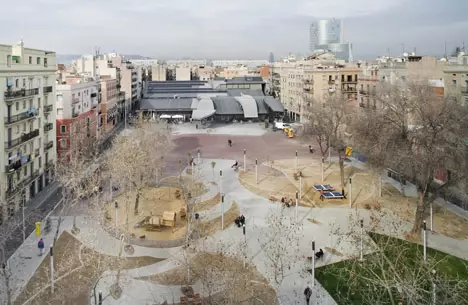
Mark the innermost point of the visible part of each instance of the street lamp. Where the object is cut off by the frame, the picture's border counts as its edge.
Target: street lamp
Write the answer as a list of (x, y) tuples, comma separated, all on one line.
[(256, 171), (222, 212), (313, 264), (362, 236), (116, 206), (245, 159)]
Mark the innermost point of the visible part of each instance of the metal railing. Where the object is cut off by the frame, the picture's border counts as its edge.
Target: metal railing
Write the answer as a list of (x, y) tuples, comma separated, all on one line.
[(49, 145), (48, 108), (19, 117), (75, 100), (48, 127), (10, 94), (25, 137), (47, 89)]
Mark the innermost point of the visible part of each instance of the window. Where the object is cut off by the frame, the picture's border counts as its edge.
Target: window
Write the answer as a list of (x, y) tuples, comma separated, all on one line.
[(17, 83), (63, 143), (30, 104), (25, 171), (40, 162), (30, 59), (38, 102), (24, 104), (24, 127), (63, 128), (39, 122), (38, 60), (17, 106), (17, 129), (31, 147), (9, 60), (454, 82), (24, 82)]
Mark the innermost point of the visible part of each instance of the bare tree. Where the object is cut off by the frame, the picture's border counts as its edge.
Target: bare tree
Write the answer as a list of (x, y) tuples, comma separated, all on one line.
[(280, 242), (392, 270), (415, 132), (136, 159)]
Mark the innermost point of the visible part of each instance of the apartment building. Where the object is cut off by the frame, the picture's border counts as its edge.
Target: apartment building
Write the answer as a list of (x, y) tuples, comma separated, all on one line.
[(183, 73), (112, 100), (77, 113), (456, 79), (158, 73), (304, 83), (27, 83)]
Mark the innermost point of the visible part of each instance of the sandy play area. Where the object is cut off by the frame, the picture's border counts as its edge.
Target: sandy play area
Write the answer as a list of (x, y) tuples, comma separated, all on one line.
[(278, 180), (153, 202)]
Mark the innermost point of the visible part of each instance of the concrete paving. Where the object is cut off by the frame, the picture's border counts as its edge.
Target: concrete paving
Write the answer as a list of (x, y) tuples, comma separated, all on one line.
[(234, 129), (256, 210)]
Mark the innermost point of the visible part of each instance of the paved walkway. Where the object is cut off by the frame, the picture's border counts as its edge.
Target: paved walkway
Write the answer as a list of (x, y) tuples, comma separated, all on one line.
[(25, 261)]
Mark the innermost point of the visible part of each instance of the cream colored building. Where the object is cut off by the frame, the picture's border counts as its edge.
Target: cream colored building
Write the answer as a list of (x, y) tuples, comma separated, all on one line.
[(309, 82), (27, 86), (456, 79), (158, 73)]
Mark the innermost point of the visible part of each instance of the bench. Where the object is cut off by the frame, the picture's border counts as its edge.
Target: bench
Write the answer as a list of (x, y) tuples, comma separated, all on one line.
[(142, 222)]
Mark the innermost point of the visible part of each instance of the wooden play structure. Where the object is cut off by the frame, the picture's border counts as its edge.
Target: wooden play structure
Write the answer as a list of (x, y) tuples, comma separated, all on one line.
[(183, 213), (169, 220)]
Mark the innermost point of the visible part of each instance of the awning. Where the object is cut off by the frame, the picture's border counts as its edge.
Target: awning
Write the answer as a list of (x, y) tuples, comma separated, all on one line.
[(199, 115), (165, 116), (177, 116)]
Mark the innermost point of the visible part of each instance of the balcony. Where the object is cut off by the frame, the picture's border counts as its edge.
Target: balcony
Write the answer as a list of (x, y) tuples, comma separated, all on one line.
[(47, 89), (362, 92), (49, 145), (25, 137), (48, 108), (14, 94), (48, 127), (29, 179), (30, 114), (75, 100), (13, 167), (49, 163), (348, 81), (331, 81)]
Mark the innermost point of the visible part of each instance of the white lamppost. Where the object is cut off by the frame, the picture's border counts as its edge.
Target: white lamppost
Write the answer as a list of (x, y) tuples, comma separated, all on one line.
[(245, 159), (198, 156), (116, 208), (296, 161), (222, 212), (221, 181), (300, 185), (425, 240), (350, 192), (313, 264), (362, 244), (51, 270), (297, 199), (256, 171), (431, 217)]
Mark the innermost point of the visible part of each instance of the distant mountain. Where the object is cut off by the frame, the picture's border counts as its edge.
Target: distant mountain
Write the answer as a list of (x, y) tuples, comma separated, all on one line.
[(136, 57), (66, 58)]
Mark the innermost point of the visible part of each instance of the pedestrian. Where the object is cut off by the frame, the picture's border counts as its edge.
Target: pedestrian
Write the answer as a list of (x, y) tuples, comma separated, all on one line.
[(307, 294), (40, 245)]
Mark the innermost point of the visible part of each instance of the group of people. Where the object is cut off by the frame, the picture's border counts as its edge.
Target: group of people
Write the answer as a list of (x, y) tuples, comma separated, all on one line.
[(287, 203), (240, 221)]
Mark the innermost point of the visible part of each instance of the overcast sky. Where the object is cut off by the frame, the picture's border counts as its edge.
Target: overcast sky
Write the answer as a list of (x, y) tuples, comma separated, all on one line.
[(231, 29)]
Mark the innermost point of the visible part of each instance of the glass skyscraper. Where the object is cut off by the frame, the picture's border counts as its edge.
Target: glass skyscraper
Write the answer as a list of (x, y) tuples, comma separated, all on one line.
[(328, 35)]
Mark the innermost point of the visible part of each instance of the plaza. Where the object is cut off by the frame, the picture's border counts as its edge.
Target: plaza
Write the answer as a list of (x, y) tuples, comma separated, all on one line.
[(92, 260)]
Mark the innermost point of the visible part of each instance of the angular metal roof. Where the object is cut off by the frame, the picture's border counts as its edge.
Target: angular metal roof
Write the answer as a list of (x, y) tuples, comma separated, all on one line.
[(205, 108), (273, 104), (239, 92), (260, 104), (166, 104), (248, 105), (227, 105)]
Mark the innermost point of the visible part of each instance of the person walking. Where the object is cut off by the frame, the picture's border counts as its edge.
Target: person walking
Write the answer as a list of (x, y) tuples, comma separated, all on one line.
[(307, 294), (40, 245)]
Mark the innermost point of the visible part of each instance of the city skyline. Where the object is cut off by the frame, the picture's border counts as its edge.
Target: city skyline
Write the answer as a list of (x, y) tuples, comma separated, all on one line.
[(234, 30)]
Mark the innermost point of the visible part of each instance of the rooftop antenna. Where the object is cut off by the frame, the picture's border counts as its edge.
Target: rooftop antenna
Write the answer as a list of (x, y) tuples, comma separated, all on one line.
[(402, 48), (445, 49)]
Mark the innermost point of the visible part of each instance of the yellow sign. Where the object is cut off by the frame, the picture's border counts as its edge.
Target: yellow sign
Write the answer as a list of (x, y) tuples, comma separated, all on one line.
[(38, 228), (349, 151)]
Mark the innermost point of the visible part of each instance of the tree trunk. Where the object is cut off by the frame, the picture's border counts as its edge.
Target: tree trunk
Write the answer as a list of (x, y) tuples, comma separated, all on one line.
[(342, 174), (137, 202), (419, 215)]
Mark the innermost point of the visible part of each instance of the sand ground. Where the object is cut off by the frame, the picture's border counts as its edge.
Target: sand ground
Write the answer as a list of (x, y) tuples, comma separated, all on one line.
[(277, 179), (153, 202)]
